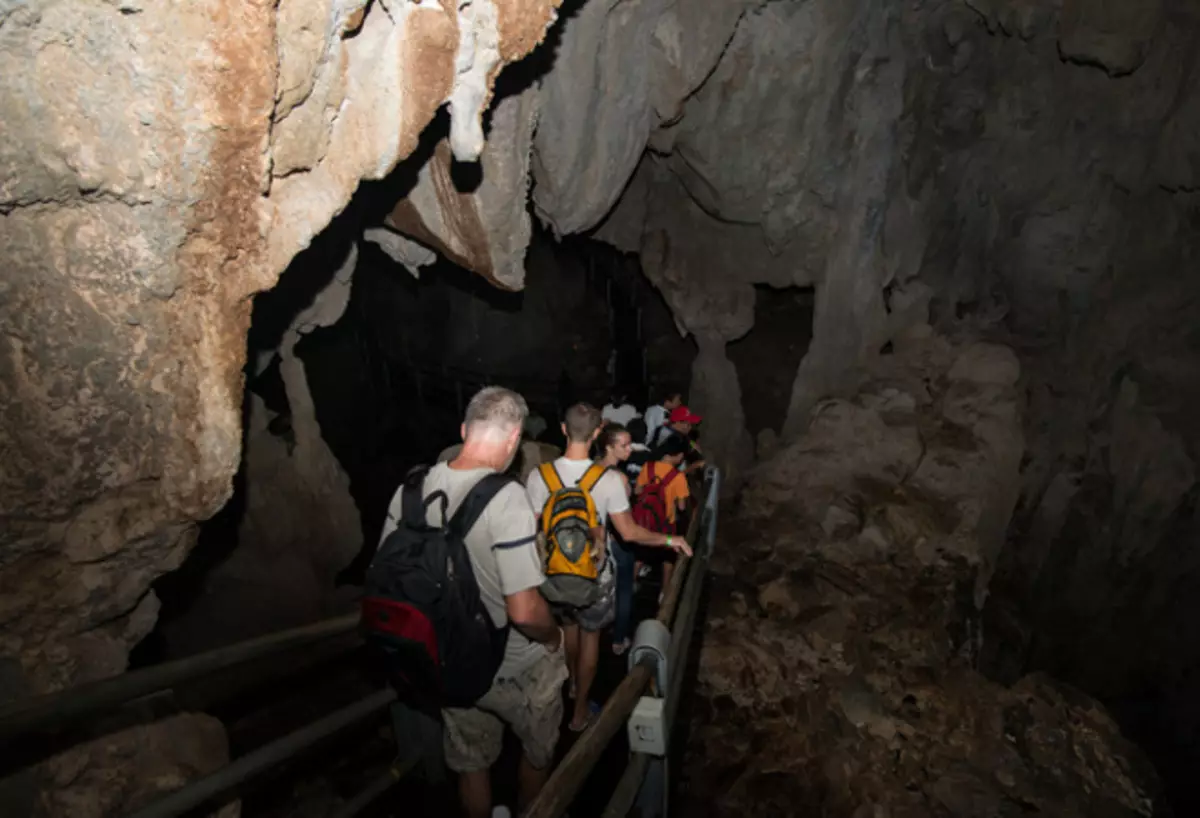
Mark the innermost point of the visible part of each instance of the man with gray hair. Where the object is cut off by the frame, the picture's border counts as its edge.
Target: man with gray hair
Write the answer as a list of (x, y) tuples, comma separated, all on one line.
[(526, 691)]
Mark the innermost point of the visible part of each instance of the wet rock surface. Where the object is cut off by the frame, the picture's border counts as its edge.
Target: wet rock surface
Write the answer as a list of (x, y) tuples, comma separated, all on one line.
[(837, 673)]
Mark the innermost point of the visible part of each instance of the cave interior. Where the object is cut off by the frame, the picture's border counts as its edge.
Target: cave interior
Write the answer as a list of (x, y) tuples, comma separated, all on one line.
[(928, 270)]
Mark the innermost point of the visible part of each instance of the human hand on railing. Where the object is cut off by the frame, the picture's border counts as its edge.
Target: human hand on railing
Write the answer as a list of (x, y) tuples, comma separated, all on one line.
[(679, 545)]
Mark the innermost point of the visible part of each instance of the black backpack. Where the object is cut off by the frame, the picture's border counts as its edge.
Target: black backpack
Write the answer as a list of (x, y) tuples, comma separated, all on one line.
[(422, 615)]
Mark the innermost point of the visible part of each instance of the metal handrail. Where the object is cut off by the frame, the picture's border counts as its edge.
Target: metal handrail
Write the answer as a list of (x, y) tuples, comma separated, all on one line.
[(54, 711), (683, 595), (70, 707), (626, 791), (200, 791)]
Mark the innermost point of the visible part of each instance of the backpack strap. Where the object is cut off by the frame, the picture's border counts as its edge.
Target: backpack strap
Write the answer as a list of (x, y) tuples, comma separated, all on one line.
[(550, 477), (476, 501), (655, 477), (591, 477), (666, 481), (413, 502)]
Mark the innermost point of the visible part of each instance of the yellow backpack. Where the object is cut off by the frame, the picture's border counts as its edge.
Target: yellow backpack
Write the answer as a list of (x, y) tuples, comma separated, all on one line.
[(568, 519)]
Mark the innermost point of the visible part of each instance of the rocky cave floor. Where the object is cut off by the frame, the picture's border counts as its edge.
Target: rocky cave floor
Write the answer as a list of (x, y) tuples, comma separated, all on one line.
[(838, 674)]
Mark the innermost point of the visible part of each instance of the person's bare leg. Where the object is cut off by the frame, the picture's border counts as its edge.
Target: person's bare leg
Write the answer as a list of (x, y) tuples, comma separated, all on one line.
[(571, 639), (530, 781), (589, 653), (475, 792)]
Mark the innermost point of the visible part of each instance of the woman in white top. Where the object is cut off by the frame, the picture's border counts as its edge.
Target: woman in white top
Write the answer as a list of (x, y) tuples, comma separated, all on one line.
[(614, 445)]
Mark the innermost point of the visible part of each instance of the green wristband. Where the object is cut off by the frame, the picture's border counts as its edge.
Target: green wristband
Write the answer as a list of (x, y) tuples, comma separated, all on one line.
[(668, 541)]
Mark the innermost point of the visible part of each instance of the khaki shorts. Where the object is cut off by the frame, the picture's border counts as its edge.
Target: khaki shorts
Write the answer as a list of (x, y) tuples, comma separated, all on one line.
[(530, 703)]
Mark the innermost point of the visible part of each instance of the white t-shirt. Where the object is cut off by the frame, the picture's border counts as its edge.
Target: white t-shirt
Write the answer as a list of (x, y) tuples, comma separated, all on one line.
[(502, 546), (622, 414), (656, 416), (608, 494)]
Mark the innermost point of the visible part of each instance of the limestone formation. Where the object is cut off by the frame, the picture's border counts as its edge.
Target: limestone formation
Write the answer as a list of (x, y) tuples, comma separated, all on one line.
[(837, 673), (904, 122), (162, 162), (400, 249), (299, 527), (375, 89), (486, 229), (1114, 36), (596, 113)]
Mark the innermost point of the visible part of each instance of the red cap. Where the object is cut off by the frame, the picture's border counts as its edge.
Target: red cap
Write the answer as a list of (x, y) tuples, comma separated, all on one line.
[(681, 414)]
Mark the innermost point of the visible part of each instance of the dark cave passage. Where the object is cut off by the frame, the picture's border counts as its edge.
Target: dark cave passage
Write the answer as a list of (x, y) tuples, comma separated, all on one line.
[(391, 379), (387, 383)]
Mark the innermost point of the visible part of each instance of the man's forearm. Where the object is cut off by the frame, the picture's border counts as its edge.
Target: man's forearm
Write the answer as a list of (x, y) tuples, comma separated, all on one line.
[(631, 532), (644, 536), (638, 535)]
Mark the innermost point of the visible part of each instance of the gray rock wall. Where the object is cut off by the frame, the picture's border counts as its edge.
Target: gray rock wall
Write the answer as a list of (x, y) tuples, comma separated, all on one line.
[(994, 157)]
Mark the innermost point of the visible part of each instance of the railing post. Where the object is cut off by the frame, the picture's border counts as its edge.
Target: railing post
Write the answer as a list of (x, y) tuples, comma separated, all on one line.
[(646, 782), (652, 798)]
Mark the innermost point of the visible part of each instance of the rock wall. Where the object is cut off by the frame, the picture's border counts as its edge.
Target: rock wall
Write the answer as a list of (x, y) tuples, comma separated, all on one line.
[(1101, 581), (161, 163), (991, 156), (299, 526), (837, 674)]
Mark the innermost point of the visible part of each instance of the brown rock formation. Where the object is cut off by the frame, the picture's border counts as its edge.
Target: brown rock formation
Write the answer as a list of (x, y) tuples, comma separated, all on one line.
[(837, 670), (486, 230), (161, 163), (300, 525)]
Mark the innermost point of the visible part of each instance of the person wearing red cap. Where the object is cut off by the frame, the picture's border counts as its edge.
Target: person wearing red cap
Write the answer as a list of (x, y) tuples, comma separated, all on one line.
[(656, 416), (680, 423), (682, 414)]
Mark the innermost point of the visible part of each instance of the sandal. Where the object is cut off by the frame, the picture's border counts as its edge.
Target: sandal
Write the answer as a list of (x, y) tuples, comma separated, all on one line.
[(593, 711)]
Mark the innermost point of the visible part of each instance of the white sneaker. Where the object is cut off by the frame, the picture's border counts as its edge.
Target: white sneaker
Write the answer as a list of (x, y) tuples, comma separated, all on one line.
[(501, 812)]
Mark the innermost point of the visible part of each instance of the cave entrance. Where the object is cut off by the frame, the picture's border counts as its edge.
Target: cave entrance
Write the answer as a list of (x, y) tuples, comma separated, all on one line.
[(768, 356)]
